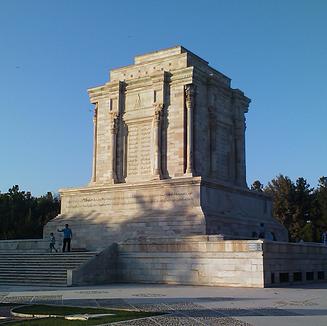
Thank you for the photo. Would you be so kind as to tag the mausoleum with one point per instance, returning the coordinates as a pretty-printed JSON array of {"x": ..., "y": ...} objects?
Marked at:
[{"x": 168, "y": 157}]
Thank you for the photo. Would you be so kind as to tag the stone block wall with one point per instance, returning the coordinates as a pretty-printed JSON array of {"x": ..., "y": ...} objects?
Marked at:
[
  {"x": 99, "y": 216},
  {"x": 193, "y": 261},
  {"x": 293, "y": 263},
  {"x": 206, "y": 260}
]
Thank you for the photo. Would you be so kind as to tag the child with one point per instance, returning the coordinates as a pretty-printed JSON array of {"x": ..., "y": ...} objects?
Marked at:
[{"x": 52, "y": 242}]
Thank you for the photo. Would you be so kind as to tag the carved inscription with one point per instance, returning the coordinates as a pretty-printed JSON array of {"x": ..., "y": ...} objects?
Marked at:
[
  {"x": 132, "y": 150},
  {"x": 118, "y": 200},
  {"x": 145, "y": 143},
  {"x": 138, "y": 151}
]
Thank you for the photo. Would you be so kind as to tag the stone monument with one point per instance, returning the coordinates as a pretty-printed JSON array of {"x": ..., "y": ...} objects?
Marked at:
[{"x": 168, "y": 157}]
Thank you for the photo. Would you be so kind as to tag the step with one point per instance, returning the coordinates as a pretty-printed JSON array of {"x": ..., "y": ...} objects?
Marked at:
[
  {"x": 27, "y": 277},
  {"x": 38, "y": 267},
  {"x": 33, "y": 280},
  {"x": 48, "y": 256},
  {"x": 44, "y": 269},
  {"x": 33, "y": 272},
  {"x": 36, "y": 282},
  {"x": 42, "y": 259},
  {"x": 42, "y": 264},
  {"x": 81, "y": 254}
]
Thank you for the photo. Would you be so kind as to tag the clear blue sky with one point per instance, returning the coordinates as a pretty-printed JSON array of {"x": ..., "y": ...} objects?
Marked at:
[{"x": 52, "y": 51}]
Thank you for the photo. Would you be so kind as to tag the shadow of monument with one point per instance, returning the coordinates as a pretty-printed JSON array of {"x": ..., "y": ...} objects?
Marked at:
[{"x": 149, "y": 218}]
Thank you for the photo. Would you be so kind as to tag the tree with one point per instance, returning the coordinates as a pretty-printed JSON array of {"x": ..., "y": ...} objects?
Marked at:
[
  {"x": 282, "y": 191},
  {"x": 304, "y": 216},
  {"x": 300, "y": 208},
  {"x": 23, "y": 216},
  {"x": 321, "y": 205}
]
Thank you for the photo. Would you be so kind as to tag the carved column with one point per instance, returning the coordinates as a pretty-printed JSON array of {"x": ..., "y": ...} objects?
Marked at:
[
  {"x": 212, "y": 141},
  {"x": 120, "y": 126},
  {"x": 113, "y": 131},
  {"x": 189, "y": 101},
  {"x": 95, "y": 130},
  {"x": 240, "y": 104},
  {"x": 158, "y": 108},
  {"x": 240, "y": 151}
]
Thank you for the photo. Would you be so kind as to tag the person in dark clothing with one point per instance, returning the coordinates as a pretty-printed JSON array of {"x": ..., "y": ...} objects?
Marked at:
[{"x": 68, "y": 234}]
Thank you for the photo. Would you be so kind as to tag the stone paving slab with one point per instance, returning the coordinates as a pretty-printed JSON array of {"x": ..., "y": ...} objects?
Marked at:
[
  {"x": 303, "y": 306},
  {"x": 114, "y": 304},
  {"x": 18, "y": 299}
]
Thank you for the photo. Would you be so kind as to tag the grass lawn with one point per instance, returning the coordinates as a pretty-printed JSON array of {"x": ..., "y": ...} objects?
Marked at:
[{"x": 64, "y": 311}]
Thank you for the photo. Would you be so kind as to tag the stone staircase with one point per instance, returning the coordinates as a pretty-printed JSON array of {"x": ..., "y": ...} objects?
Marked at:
[{"x": 45, "y": 269}]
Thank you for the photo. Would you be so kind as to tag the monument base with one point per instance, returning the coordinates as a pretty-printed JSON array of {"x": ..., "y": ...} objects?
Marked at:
[
  {"x": 103, "y": 214},
  {"x": 206, "y": 260}
]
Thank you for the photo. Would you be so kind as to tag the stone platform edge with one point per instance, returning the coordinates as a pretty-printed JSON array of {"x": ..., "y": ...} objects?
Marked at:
[{"x": 205, "y": 260}]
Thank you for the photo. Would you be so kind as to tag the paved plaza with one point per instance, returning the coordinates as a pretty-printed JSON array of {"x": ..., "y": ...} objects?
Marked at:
[{"x": 190, "y": 305}]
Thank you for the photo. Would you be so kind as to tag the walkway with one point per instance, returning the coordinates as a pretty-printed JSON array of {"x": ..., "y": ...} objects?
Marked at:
[{"x": 191, "y": 305}]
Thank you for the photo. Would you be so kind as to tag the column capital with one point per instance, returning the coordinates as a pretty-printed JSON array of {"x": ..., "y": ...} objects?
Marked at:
[
  {"x": 158, "y": 109},
  {"x": 190, "y": 92},
  {"x": 113, "y": 126}
]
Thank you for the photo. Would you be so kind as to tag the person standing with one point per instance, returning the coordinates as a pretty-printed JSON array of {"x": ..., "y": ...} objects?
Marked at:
[
  {"x": 68, "y": 234},
  {"x": 52, "y": 242}
]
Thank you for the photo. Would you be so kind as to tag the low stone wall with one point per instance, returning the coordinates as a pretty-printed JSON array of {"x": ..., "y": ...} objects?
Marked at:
[
  {"x": 100, "y": 269},
  {"x": 208, "y": 260},
  {"x": 30, "y": 245},
  {"x": 198, "y": 260},
  {"x": 292, "y": 263}
]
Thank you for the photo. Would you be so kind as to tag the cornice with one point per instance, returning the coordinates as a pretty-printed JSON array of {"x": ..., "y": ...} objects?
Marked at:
[
  {"x": 97, "y": 93},
  {"x": 182, "y": 181},
  {"x": 240, "y": 100}
]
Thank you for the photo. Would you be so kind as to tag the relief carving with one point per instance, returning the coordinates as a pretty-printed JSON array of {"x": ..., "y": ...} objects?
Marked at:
[
  {"x": 114, "y": 122},
  {"x": 190, "y": 92},
  {"x": 158, "y": 110},
  {"x": 138, "y": 103}
]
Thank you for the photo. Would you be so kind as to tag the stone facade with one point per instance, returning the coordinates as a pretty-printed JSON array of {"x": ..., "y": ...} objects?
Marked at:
[
  {"x": 168, "y": 158},
  {"x": 169, "y": 115}
]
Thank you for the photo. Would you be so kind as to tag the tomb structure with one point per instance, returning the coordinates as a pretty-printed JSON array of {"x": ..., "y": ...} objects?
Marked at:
[{"x": 168, "y": 158}]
